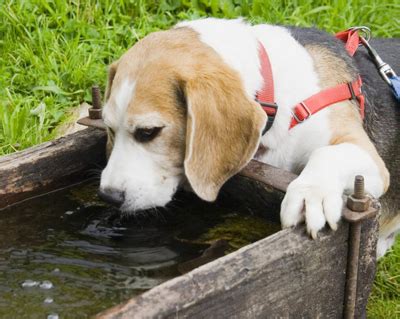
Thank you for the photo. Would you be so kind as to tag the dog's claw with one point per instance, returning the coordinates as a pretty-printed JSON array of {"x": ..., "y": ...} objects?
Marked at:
[
  {"x": 314, "y": 234},
  {"x": 333, "y": 226},
  {"x": 308, "y": 200}
]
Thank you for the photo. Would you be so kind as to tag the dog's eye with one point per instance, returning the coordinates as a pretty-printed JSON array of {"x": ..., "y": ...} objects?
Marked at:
[{"x": 146, "y": 134}]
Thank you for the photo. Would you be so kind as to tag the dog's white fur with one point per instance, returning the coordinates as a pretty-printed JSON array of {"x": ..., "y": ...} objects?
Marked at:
[
  {"x": 140, "y": 172},
  {"x": 327, "y": 171}
]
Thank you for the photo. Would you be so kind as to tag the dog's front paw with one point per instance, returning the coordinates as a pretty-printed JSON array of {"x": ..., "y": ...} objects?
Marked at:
[{"x": 316, "y": 201}]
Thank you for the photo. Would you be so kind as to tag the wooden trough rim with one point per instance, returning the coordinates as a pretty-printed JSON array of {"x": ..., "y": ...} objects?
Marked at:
[{"x": 272, "y": 177}]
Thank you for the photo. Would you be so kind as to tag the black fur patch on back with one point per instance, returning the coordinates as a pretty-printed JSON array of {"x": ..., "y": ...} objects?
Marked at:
[{"x": 311, "y": 36}]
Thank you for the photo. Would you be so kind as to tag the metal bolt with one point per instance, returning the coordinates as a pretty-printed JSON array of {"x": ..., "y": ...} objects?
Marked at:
[
  {"x": 359, "y": 192},
  {"x": 358, "y": 202},
  {"x": 96, "y": 97},
  {"x": 95, "y": 111}
]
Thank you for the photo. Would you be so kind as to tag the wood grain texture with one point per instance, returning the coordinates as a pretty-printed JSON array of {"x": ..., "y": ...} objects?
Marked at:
[
  {"x": 367, "y": 263},
  {"x": 276, "y": 178},
  {"x": 284, "y": 275},
  {"x": 49, "y": 165}
]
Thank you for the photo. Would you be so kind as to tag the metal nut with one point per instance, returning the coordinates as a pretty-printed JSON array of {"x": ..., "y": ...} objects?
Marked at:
[
  {"x": 358, "y": 204},
  {"x": 94, "y": 114}
]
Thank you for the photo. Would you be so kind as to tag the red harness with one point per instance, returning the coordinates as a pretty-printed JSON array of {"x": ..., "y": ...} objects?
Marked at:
[{"x": 317, "y": 102}]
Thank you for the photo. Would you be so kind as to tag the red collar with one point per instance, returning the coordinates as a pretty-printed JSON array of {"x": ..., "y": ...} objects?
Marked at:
[
  {"x": 265, "y": 97},
  {"x": 303, "y": 110}
]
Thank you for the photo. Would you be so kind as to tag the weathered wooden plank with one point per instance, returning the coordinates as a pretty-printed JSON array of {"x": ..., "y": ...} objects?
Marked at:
[
  {"x": 276, "y": 178},
  {"x": 52, "y": 164},
  {"x": 367, "y": 263},
  {"x": 286, "y": 274},
  {"x": 265, "y": 201}
]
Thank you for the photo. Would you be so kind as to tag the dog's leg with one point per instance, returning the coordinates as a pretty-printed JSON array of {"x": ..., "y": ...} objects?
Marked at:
[
  {"x": 316, "y": 195},
  {"x": 388, "y": 230}
]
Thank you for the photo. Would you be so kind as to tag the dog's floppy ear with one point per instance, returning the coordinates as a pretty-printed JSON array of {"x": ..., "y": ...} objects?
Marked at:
[
  {"x": 223, "y": 131},
  {"x": 112, "y": 70}
]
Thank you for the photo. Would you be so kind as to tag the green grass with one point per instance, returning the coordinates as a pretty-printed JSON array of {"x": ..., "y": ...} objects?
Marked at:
[
  {"x": 385, "y": 298},
  {"x": 51, "y": 52}
]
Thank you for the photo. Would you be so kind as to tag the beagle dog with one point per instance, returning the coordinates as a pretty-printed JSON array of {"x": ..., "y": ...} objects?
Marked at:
[{"x": 180, "y": 108}]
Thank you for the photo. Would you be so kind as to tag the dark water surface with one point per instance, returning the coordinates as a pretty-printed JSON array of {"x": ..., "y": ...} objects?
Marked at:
[{"x": 69, "y": 254}]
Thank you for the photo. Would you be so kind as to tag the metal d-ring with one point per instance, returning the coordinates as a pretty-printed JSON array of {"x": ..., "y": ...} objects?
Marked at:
[{"x": 366, "y": 32}]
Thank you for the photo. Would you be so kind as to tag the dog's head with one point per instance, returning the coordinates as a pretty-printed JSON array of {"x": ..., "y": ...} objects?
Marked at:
[{"x": 175, "y": 112}]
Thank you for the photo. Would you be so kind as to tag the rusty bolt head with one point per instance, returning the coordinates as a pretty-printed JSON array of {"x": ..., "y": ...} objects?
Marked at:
[{"x": 358, "y": 204}]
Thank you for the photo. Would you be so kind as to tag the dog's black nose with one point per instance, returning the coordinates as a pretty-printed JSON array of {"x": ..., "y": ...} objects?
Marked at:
[{"x": 112, "y": 196}]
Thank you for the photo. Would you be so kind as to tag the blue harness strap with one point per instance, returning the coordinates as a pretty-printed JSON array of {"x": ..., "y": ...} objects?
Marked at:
[{"x": 395, "y": 81}]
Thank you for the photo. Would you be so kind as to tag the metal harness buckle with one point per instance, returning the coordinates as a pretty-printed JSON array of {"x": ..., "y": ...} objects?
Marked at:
[
  {"x": 271, "y": 118},
  {"x": 351, "y": 89},
  {"x": 307, "y": 110},
  {"x": 266, "y": 104}
]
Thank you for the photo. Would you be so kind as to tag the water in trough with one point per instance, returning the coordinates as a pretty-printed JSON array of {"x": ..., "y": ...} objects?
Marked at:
[{"x": 67, "y": 254}]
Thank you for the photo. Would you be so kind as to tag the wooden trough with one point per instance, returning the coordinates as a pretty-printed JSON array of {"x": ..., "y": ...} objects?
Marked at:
[{"x": 284, "y": 275}]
